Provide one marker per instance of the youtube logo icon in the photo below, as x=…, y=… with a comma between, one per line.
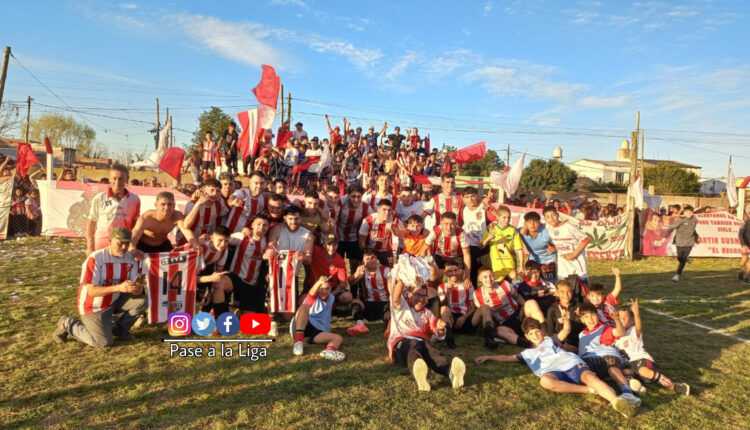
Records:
x=255, y=324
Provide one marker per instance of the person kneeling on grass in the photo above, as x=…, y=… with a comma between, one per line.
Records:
x=374, y=280
x=641, y=361
x=313, y=321
x=560, y=371
x=409, y=343
x=456, y=303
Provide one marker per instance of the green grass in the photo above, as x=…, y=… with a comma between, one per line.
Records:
x=136, y=384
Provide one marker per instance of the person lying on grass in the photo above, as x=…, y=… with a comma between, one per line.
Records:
x=606, y=303
x=560, y=371
x=313, y=321
x=641, y=361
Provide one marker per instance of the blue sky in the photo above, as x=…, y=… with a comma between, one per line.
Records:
x=532, y=74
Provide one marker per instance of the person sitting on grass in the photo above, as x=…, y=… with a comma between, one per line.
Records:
x=566, y=305
x=559, y=370
x=109, y=285
x=313, y=321
x=596, y=348
x=409, y=342
x=606, y=304
x=374, y=281
x=641, y=361
x=456, y=303
x=533, y=286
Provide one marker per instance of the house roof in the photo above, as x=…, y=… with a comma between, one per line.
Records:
x=646, y=160
x=606, y=163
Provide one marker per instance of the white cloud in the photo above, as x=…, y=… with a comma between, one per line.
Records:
x=595, y=102
x=128, y=5
x=518, y=78
x=487, y=8
x=299, y=3
x=398, y=68
x=360, y=57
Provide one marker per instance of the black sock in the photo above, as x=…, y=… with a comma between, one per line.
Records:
x=357, y=312
x=449, y=339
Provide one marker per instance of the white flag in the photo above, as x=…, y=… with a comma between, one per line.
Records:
x=161, y=150
x=510, y=178
x=732, y=188
x=636, y=191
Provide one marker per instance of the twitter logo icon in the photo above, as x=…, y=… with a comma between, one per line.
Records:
x=203, y=324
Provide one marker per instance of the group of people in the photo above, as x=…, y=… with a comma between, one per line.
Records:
x=432, y=263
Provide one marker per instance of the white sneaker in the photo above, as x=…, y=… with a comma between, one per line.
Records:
x=635, y=401
x=274, y=329
x=332, y=355
x=636, y=386
x=299, y=348
x=419, y=371
x=458, y=370
x=624, y=407
x=676, y=277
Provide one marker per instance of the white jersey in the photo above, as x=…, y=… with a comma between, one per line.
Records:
x=108, y=213
x=409, y=323
x=103, y=269
x=632, y=345
x=566, y=237
x=549, y=356
x=475, y=224
x=405, y=212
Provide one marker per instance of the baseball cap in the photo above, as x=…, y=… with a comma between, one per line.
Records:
x=331, y=238
x=120, y=233
x=298, y=124
x=315, y=138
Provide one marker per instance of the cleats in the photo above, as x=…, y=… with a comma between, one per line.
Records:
x=458, y=370
x=419, y=371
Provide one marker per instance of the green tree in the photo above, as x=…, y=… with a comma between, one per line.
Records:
x=66, y=131
x=669, y=178
x=549, y=175
x=490, y=162
x=213, y=119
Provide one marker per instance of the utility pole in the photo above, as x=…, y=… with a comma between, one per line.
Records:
x=507, y=157
x=28, y=118
x=282, y=104
x=171, y=136
x=643, y=148
x=631, y=199
x=158, y=125
x=289, y=107
x=4, y=72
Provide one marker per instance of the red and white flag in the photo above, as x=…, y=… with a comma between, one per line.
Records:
x=282, y=282
x=167, y=159
x=732, y=187
x=635, y=190
x=510, y=178
x=470, y=153
x=172, y=278
x=25, y=158
x=251, y=122
x=267, y=90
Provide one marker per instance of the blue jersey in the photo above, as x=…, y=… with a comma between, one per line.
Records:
x=538, y=246
x=598, y=342
x=549, y=356
x=320, y=313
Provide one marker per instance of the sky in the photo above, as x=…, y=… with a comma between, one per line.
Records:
x=532, y=74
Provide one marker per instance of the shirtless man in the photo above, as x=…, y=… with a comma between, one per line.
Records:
x=151, y=229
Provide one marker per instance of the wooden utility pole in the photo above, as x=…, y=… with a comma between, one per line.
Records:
x=171, y=136
x=289, y=107
x=282, y=105
x=158, y=125
x=28, y=118
x=643, y=146
x=631, y=199
x=4, y=72
x=507, y=157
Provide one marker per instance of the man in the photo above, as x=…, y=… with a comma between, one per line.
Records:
x=570, y=243
x=246, y=268
x=372, y=138
x=396, y=139
x=228, y=144
x=109, y=285
x=298, y=132
x=116, y=207
x=153, y=227
x=245, y=203
x=380, y=231
x=274, y=210
x=382, y=193
x=407, y=205
x=353, y=211
x=209, y=154
x=204, y=213
x=446, y=201
x=539, y=244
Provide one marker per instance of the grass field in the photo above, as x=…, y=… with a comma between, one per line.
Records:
x=136, y=384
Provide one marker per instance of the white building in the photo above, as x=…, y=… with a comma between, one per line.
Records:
x=713, y=185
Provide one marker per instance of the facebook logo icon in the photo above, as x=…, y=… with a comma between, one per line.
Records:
x=228, y=324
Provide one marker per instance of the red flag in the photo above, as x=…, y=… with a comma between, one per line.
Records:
x=470, y=153
x=267, y=91
x=47, y=145
x=282, y=137
x=304, y=167
x=172, y=161
x=25, y=158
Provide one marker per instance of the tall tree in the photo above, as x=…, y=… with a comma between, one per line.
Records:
x=490, y=162
x=549, y=175
x=213, y=119
x=66, y=131
x=669, y=178
x=9, y=119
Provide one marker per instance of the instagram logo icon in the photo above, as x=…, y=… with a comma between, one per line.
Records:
x=179, y=324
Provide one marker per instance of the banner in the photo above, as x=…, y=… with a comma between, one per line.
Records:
x=66, y=204
x=6, y=194
x=718, y=233
x=172, y=279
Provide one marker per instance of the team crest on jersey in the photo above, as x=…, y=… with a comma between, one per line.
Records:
x=173, y=260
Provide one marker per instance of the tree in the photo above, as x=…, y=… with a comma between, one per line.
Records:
x=9, y=118
x=669, y=178
x=66, y=131
x=490, y=162
x=549, y=175
x=213, y=119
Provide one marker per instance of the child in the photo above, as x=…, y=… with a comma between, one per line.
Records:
x=313, y=321
x=744, y=275
x=684, y=238
x=449, y=242
x=596, y=347
x=457, y=306
x=558, y=370
x=376, y=284
x=506, y=248
x=566, y=305
x=605, y=305
x=532, y=286
x=640, y=361
x=415, y=237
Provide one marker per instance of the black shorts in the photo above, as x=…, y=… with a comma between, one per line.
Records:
x=248, y=297
x=468, y=327
x=375, y=311
x=440, y=261
x=643, y=362
x=514, y=323
x=600, y=365
x=165, y=246
x=311, y=331
x=350, y=250
x=208, y=165
x=204, y=287
x=385, y=258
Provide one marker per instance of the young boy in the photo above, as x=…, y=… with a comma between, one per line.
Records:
x=684, y=238
x=606, y=304
x=596, y=347
x=213, y=282
x=414, y=239
x=456, y=304
x=449, y=242
x=532, y=286
x=640, y=361
x=506, y=249
x=560, y=371
x=566, y=305
x=570, y=243
x=313, y=321
x=475, y=225
x=375, y=282
x=245, y=270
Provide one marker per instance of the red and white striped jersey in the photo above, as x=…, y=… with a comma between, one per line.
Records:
x=350, y=220
x=379, y=233
x=376, y=284
x=33, y=210
x=18, y=206
x=247, y=257
x=409, y=323
x=209, y=150
x=440, y=205
x=206, y=221
x=331, y=210
x=108, y=212
x=447, y=246
x=212, y=255
x=103, y=269
x=372, y=199
x=499, y=299
x=239, y=216
x=458, y=297
x=172, y=278
x=282, y=282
